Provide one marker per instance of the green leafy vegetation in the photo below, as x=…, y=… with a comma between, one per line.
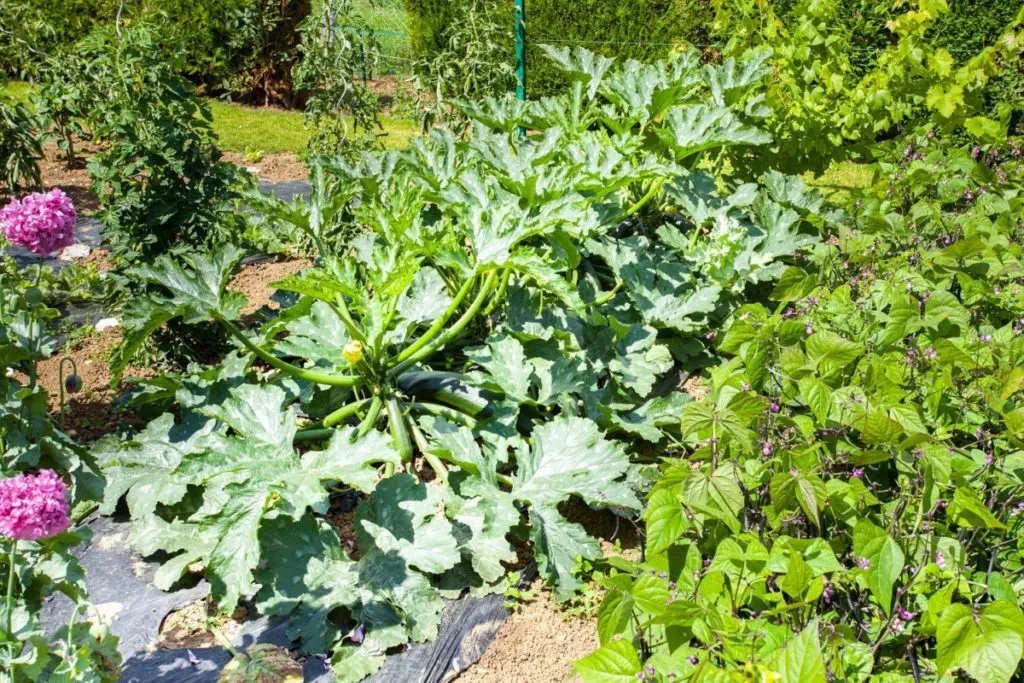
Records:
x=242, y=128
x=499, y=326
x=847, y=498
x=433, y=384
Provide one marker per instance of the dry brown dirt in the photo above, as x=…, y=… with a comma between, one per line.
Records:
x=75, y=181
x=275, y=167
x=90, y=413
x=254, y=281
x=537, y=644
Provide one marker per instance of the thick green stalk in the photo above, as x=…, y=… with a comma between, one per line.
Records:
x=341, y=309
x=435, y=463
x=643, y=201
x=273, y=361
x=314, y=435
x=439, y=323
x=399, y=430
x=452, y=332
x=609, y=295
x=345, y=412
x=500, y=294
x=10, y=589
x=372, y=415
x=437, y=410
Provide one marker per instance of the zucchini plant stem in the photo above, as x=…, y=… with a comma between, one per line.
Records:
x=345, y=412
x=294, y=370
x=450, y=414
x=642, y=201
x=435, y=463
x=372, y=414
x=456, y=329
x=341, y=310
x=500, y=294
x=438, y=324
x=609, y=295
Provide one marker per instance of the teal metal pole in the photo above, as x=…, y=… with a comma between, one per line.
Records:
x=521, y=49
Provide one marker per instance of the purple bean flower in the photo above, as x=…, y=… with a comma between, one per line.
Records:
x=904, y=614
x=858, y=473
x=33, y=506
x=940, y=561
x=808, y=329
x=863, y=563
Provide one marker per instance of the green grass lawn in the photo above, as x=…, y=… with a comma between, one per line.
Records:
x=263, y=129
x=243, y=129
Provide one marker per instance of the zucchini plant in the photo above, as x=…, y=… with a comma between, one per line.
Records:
x=508, y=326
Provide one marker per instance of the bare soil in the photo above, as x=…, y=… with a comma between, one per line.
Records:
x=90, y=413
x=696, y=386
x=538, y=644
x=254, y=281
x=75, y=181
x=188, y=626
x=274, y=167
x=99, y=258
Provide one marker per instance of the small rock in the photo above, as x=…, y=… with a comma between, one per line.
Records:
x=75, y=251
x=253, y=169
x=107, y=324
x=105, y=612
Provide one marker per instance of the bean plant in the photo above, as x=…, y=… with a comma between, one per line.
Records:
x=846, y=502
x=827, y=105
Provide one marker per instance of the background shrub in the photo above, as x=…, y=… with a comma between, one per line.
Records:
x=241, y=48
x=158, y=174
x=643, y=30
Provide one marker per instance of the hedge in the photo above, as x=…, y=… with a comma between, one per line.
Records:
x=642, y=29
x=645, y=29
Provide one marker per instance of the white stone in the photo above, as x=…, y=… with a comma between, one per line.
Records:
x=75, y=251
x=253, y=169
x=107, y=324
